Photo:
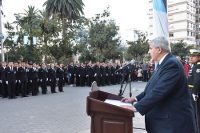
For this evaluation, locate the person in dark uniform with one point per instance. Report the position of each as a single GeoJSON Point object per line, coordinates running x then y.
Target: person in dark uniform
{"type": "Point", "coordinates": [3, 80]}
{"type": "Point", "coordinates": [52, 78]}
{"type": "Point", "coordinates": [89, 74]}
{"type": "Point", "coordinates": [33, 79]}
{"type": "Point", "coordinates": [10, 74]}
{"type": "Point", "coordinates": [82, 75]}
{"type": "Point", "coordinates": [17, 84]}
{"type": "Point", "coordinates": [22, 79]}
{"type": "Point", "coordinates": [194, 83]}
{"type": "Point", "coordinates": [97, 73]}
{"type": "Point", "coordinates": [42, 75]}
{"type": "Point", "coordinates": [102, 74]}
{"type": "Point", "coordinates": [78, 75]}
{"type": "Point", "coordinates": [60, 76]}
{"type": "Point", "coordinates": [70, 73]}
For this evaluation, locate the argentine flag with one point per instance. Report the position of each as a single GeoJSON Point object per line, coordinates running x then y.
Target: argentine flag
{"type": "Point", "coordinates": [160, 21]}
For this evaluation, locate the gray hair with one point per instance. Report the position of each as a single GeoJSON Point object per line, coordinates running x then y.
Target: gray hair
{"type": "Point", "coordinates": [160, 42]}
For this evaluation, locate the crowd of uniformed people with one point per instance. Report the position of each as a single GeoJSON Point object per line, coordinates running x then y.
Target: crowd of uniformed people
{"type": "Point", "coordinates": [25, 79]}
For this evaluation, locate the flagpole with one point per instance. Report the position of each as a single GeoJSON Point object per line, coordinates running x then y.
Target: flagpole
{"type": "Point", "coordinates": [1, 34]}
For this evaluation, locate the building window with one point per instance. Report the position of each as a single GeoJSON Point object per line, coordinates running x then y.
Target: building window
{"type": "Point", "coordinates": [171, 35]}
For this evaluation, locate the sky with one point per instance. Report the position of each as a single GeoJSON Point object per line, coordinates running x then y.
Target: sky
{"type": "Point", "coordinates": [128, 14]}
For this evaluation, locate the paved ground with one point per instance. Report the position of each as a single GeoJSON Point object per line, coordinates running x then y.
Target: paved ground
{"type": "Point", "coordinates": [56, 113]}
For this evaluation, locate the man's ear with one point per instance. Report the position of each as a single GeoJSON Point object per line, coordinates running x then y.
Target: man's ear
{"type": "Point", "coordinates": [159, 50]}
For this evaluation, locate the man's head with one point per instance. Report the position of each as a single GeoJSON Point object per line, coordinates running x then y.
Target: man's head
{"type": "Point", "coordinates": [158, 47]}
{"type": "Point", "coordinates": [194, 56]}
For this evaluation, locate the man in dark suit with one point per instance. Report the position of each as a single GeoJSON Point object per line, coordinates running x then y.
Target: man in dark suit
{"type": "Point", "coordinates": [22, 79]}
{"type": "Point", "coordinates": [60, 77]}
{"type": "Point", "coordinates": [3, 80]}
{"type": "Point", "coordinates": [165, 102]}
{"type": "Point", "coordinates": [33, 79]}
{"type": "Point", "coordinates": [42, 75]}
{"type": "Point", "coordinates": [10, 75]}
{"type": "Point", "coordinates": [52, 78]}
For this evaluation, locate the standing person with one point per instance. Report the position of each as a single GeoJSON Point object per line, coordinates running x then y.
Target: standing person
{"type": "Point", "coordinates": [33, 79]}
{"type": "Point", "coordinates": [194, 83]}
{"type": "Point", "coordinates": [3, 80]}
{"type": "Point", "coordinates": [22, 79]}
{"type": "Point", "coordinates": [165, 101]}
{"type": "Point", "coordinates": [42, 75]}
{"type": "Point", "coordinates": [60, 75]}
{"type": "Point", "coordinates": [10, 74]}
{"type": "Point", "coordinates": [145, 67]}
{"type": "Point", "coordinates": [52, 78]}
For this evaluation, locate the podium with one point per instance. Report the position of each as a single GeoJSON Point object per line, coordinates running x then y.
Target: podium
{"type": "Point", "coordinates": [108, 118]}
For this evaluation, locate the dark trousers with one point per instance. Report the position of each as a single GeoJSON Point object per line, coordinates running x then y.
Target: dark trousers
{"type": "Point", "coordinates": [11, 89]}
{"type": "Point", "coordinates": [43, 85]}
{"type": "Point", "coordinates": [60, 85]}
{"type": "Point", "coordinates": [4, 90]}
{"type": "Point", "coordinates": [52, 84]}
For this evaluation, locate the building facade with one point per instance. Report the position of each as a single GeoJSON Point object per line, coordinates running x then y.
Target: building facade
{"type": "Point", "coordinates": [183, 20]}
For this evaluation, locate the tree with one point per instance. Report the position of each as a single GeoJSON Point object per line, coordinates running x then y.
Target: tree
{"type": "Point", "coordinates": [29, 22]}
{"type": "Point", "coordinates": [180, 49]}
{"type": "Point", "coordinates": [103, 37]}
{"type": "Point", "coordinates": [50, 30]}
{"type": "Point", "coordinates": [139, 48]}
{"type": "Point", "coordinates": [67, 10]}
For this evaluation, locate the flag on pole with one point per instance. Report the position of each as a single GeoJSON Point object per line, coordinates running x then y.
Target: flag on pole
{"type": "Point", "coordinates": [160, 21]}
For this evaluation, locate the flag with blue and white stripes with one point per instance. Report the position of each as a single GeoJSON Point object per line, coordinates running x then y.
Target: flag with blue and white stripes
{"type": "Point", "coordinates": [160, 21]}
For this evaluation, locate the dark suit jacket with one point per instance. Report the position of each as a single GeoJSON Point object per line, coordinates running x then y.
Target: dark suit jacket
{"type": "Point", "coordinates": [166, 102]}
{"type": "Point", "coordinates": [10, 74]}
{"type": "Point", "coordinates": [2, 74]}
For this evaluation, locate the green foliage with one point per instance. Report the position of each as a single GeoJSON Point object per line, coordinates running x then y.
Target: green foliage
{"type": "Point", "coordinates": [103, 37]}
{"type": "Point", "coordinates": [28, 23]}
{"type": "Point", "coordinates": [24, 54]}
{"type": "Point", "coordinates": [69, 9]}
{"type": "Point", "coordinates": [180, 48]}
{"type": "Point", "coordinates": [139, 48]}
{"type": "Point", "coordinates": [62, 32]}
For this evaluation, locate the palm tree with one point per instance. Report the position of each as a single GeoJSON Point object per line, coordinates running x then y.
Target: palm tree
{"type": "Point", "coordinates": [49, 30]}
{"type": "Point", "coordinates": [67, 11]}
{"type": "Point", "coordinates": [28, 22]}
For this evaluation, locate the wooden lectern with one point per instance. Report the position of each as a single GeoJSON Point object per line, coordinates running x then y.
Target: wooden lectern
{"type": "Point", "coordinates": [108, 118]}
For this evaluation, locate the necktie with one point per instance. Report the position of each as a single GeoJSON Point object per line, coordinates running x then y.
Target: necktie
{"type": "Point", "coordinates": [157, 67]}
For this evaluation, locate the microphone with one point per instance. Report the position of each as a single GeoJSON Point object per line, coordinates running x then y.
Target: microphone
{"type": "Point", "coordinates": [129, 63]}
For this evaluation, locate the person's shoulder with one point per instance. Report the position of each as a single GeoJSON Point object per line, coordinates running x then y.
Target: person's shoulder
{"type": "Point", "coordinates": [172, 61]}
{"type": "Point", "coordinates": [198, 65]}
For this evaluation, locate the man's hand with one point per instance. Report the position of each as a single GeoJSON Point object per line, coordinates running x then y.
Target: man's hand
{"type": "Point", "coordinates": [128, 100]}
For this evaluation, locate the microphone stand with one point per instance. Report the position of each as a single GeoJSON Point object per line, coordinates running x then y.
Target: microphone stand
{"type": "Point", "coordinates": [121, 91]}
{"type": "Point", "coordinates": [121, 84]}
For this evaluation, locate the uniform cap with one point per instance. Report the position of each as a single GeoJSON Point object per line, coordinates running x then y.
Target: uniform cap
{"type": "Point", "coordinates": [194, 52]}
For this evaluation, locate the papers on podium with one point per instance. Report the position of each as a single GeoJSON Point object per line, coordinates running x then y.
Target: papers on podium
{"type": "Point", "coordinates": [117, 102]}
